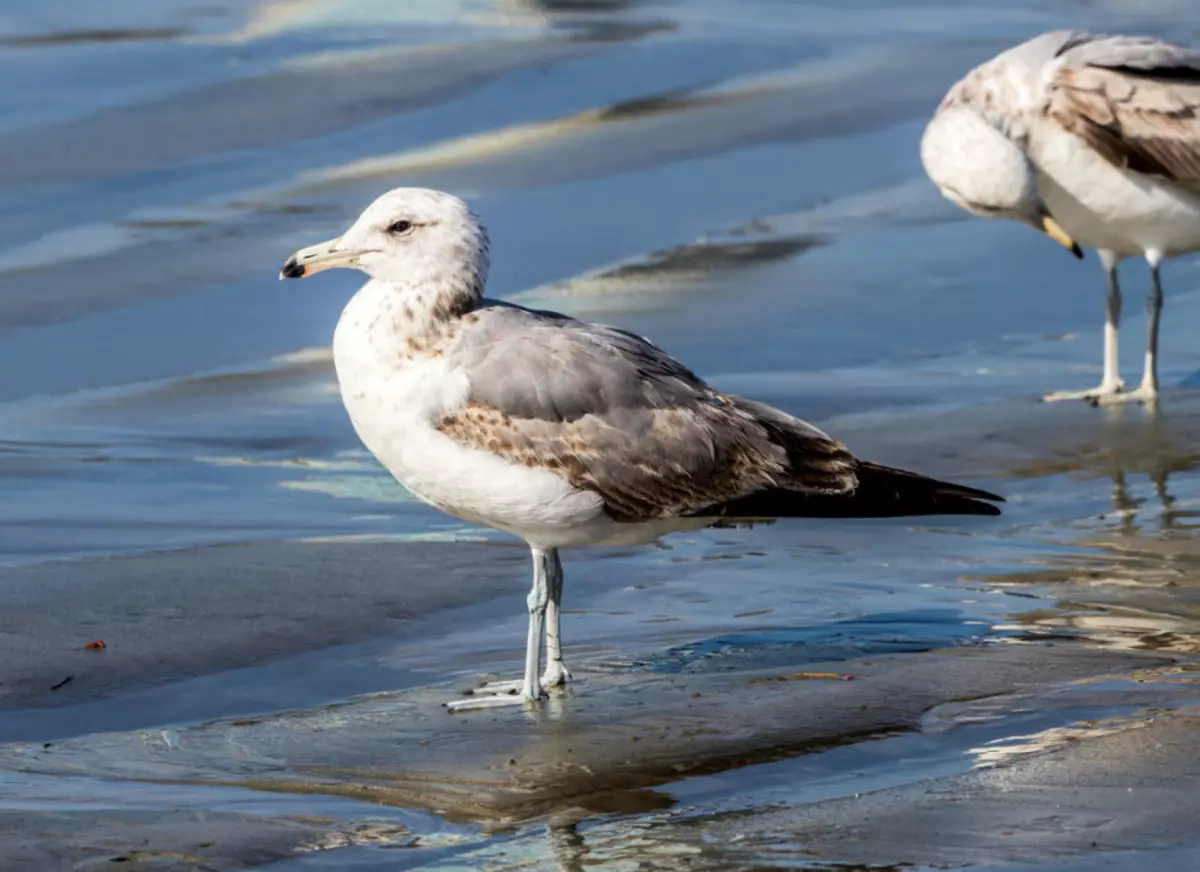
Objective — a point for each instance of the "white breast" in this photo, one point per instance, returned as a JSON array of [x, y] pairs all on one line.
[[1102, 206], [394, 401]]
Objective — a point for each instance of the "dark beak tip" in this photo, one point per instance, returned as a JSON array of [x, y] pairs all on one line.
[[292, 270], [1077, 251]]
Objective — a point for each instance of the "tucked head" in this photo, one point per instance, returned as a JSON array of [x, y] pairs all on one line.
[[407, 237], [984, 172]]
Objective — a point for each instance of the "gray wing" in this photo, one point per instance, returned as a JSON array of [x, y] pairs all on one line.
[[611, 413], [1135, 100]]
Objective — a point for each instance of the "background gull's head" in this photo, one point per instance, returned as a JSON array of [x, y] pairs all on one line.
[[407, 237], [959, 142]]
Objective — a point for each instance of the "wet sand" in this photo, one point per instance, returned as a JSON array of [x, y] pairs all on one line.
[[600, 751], [175, 615]]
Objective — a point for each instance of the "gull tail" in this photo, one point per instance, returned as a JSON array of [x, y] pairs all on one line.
[[882, 492]]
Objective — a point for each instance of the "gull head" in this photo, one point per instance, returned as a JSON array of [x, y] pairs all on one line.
[[410, 237], [981, 170]]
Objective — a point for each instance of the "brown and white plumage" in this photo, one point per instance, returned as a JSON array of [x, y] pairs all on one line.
[[1093, 139], [1134, 101], [614, 415], [559, 431]]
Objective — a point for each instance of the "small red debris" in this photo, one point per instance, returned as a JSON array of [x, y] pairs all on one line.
[[795, 676], [98, 645]]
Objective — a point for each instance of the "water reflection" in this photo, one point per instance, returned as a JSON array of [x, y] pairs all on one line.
[[1133, 583], [82, 37], [648, 844], [567, 846], [1001, 752], [1156, 456], [1127, 507], [681, 843], [599, 19], [1155, 450], [575, 5]]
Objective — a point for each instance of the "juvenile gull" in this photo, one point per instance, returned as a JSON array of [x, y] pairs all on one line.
[[1094, 140], [558, 431]]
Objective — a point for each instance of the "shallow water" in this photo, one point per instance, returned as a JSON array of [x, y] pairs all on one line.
[[740, 182]]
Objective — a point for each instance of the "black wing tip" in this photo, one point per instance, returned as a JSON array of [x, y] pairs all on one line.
[[974, 493], [905, 483], [882, 492], [884, 503], [964, 506]]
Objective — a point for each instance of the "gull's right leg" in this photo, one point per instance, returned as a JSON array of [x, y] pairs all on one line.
[[1147, 392], [1111, 383]]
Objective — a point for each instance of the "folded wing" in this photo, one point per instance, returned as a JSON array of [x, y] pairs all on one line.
[[1136, 101], [613, 414]]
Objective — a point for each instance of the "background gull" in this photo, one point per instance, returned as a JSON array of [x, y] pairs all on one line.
[[558, 431], [1094, 140]]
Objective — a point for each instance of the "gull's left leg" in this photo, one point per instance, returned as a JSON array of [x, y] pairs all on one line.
[[556, 672], [1111, 383], [1147, 391], [530, 688]]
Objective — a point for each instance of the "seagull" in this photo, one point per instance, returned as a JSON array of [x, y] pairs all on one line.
[[1094, 140], [558, 431]]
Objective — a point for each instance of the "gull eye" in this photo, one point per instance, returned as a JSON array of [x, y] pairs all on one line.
[[400, 227]]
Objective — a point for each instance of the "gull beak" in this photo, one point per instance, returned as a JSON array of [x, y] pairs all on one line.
[[322, 256], [1052, 229]]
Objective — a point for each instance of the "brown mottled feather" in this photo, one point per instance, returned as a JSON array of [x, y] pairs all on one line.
[[662, 463], [1135, 102]]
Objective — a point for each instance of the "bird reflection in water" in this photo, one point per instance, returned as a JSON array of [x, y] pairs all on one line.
[[1156, 452]]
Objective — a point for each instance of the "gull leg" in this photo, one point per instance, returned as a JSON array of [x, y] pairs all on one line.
[[539, 596], [1147, 392], [556, 673], [529, 689], [1111, 383]]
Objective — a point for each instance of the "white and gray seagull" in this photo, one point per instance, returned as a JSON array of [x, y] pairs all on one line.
[[558, 431], [1094, 140]]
